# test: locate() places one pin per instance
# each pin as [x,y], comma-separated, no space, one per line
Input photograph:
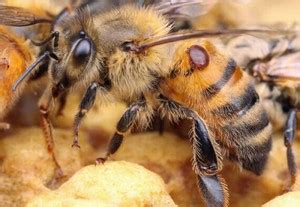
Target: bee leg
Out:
[207,159]
[123,126]
[214,190]
[211,184]
[4,126]
[47,128]
[86,104]
[289,136]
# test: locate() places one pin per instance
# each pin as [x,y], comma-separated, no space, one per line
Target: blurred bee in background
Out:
[213,14]
[223,15]
[17,51]
[120,57]
[15,56]
[275,64]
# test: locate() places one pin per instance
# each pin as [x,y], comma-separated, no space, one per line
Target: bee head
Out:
[75,57]
[129,71]
[76,50]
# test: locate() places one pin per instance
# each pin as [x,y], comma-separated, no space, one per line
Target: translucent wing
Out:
[187,8]
[182,8]
[246,48]
[174,8]
[19,17]
[283,68]
[100,6]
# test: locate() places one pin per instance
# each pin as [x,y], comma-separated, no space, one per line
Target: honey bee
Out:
[274,62]
[118,56]
[15,57]
[17,52]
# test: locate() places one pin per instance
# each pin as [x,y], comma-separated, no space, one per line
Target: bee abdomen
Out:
[249,131]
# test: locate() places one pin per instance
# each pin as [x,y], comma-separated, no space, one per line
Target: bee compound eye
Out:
[199,58]
[83,50]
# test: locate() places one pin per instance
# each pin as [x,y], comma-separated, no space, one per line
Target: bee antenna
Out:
[204,34]
[54,35]
[30,69]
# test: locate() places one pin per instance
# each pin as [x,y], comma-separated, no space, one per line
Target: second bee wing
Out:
[187,8]
[286,67]
[172,8]
[15,16]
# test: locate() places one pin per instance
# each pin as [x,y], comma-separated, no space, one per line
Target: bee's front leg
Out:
[86,104]
[123,126]
[44,105]
[207,159]
[289,136]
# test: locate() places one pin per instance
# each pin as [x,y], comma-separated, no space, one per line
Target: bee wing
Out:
[245,48]
[183,8]
[286,67]
[19,17]
[283,71]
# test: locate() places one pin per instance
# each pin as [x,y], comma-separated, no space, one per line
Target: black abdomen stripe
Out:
[238,105]
[254,158]
[242,132]
[216,87]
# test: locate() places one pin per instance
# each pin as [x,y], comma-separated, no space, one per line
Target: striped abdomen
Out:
[226,99]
